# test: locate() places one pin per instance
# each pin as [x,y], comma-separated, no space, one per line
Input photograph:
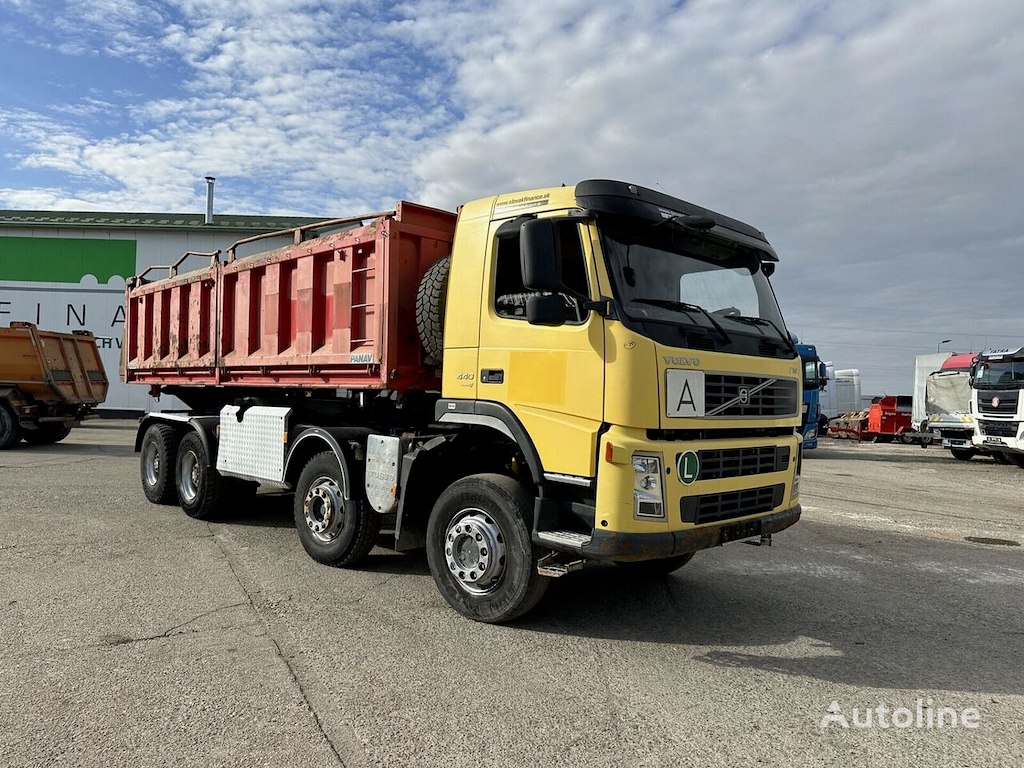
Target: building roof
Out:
[191,221]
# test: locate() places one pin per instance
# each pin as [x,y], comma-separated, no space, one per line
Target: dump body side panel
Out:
[52,368]
[334,311]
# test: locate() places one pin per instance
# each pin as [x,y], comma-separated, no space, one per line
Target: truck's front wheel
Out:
[479,549]
[333,528]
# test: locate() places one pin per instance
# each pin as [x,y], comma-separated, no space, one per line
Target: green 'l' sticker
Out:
[688,467]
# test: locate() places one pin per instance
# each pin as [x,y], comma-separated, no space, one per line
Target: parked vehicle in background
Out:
[948,406]
[841,393]
[996,383]
[924,366]
[815,379]
[598,371]
[49,383]
[885,420]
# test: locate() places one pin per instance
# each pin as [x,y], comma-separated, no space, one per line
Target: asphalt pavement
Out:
[133,635]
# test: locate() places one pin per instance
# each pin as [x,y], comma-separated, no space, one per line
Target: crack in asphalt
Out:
[230,560]
[121,640]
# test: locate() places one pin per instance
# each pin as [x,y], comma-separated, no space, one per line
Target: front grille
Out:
[1007,402]
[998,428]
[715,507]
[740,462]
[726,395]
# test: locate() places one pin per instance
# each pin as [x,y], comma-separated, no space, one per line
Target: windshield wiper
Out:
[689,309]
[765,321]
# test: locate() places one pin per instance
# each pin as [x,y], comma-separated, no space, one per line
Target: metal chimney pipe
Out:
[209,199]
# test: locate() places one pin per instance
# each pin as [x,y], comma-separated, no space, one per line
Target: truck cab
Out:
[815,378]
[997,379]
[632,344]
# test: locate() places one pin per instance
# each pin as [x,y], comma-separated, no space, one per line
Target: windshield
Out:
[667,274]
[1000,373]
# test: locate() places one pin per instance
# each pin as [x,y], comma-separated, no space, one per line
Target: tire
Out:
[430,305]
[157,461]
[963,454]
[654,568]
[10,430]
[334,530]
[479,549]
[1000,458]
[46,435]
[198,486]
[1017,458]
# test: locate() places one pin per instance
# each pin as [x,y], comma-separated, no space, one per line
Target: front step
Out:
[549,565]
[567,541]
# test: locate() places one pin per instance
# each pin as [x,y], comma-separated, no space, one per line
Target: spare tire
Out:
[430,303]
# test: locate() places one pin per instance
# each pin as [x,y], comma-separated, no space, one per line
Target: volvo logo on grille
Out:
[995,402]
[743,396]
[673,360]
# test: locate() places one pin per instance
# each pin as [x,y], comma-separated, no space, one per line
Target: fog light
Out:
[648,494]
[796,473]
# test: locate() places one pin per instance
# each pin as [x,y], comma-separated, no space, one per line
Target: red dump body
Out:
[335,311]
[890,415]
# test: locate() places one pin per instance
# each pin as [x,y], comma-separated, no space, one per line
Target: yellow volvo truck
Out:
[616,383]
[631,344]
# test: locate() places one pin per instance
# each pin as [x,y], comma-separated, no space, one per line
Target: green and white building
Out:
[66,271]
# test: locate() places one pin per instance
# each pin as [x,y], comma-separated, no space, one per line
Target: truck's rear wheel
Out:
[479,549]
[1017,458]
[1000,458]
[156,463]
[47,434]
[963,454]
[198,485]
[10,430]
[430,305]
[660,567]
[333,528]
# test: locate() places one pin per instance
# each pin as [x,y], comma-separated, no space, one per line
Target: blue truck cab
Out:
[815,379]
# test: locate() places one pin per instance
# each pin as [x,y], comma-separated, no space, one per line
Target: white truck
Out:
[947,406]
[996,384]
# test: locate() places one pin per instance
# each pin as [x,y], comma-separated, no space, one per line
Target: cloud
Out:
[875,143]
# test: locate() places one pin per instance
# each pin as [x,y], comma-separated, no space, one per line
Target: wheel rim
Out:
[324,509]
[188,479]
[151,464]
[475,551]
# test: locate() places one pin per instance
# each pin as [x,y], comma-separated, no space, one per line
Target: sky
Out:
[878,145]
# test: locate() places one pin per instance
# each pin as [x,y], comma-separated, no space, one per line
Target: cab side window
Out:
[510,294]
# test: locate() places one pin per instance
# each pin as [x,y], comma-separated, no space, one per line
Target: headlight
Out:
[648,496]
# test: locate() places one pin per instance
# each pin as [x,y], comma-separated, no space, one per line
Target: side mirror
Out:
[549,309]
[539,256]
[768,267]
[822,376]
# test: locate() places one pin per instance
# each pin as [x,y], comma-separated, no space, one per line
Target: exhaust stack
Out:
[209,199]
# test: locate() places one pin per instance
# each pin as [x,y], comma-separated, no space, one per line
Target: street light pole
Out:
[944,341]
